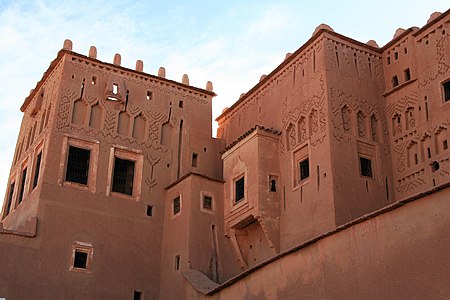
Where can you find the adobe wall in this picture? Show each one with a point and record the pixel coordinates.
(417, 63)
(355, 84)
(387, 256)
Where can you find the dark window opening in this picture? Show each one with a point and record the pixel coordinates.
(137, 295)
(366, 167)
(405, 50)
(194, 159)
(207, 202)
(416, 159)
(180, 104)
(239, 189)
(429, 152)
(10, 198)
(273, 185)
(123, 176)
(435, 166)
(176, 266)
(445, 144)
(149, 95)
(78, 165)
(304, 169)
(94, 80)
(176, 205)
(394, 81)
(396, 55)
(149, 210)
(446, 91)
(80, 260)
(22, 185)
(36, 171)
(407, 74)
(388, 60)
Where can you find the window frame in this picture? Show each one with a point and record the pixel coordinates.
(360, 160)
(131, 155)
(445, 87)
(172, 206)
(84, 248)
(10, 198)
(244, 192)
(204, 194)
(93, 146)
(35, 171)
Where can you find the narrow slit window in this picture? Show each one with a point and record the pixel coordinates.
(394, 81)
(115, 88)
(78, 165)
(149, 95)
(304, 169)
(149, 210)
(273, 185)
(176, 205)
(446, 86)
(445, 144)
(395, 55)
(123, 176)
(407, 74)
(94, 80)
(10, 199)
(177, 261)
(194, 159)
(366, 167)
(37, 169)
(428, 152)
(239, 189)
(22, 185)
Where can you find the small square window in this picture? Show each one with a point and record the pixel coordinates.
(239, 189)
(180, 104)
(304, 169)
(80, 259)
(207, 202)
(366, 167)
(176, 205)
(123, 176)
(78, 165)
(446, 86)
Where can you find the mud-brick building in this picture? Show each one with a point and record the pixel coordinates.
(328, 179)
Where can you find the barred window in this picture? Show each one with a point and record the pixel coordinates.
(78, 165)
(123, 176)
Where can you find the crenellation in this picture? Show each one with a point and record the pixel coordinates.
(93, 52)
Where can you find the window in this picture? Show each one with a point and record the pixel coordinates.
(446, 86)
(304, 169)
(94, 80)
(176, 205)
(428, 152)
(149, 210)
(123, 176)
(176, 265)
(149, 95)
(207, 202)
(180, 104)
(407, 74)
(445, 144)
(388, 60)
(37, 169)
(273, 185)
(78, 165)
(239, 189)
(396, 55)
(435, 166)
(405, 50)
(22, 185)
(80, 260)
(194, 159)
(10, 199)
(394, 81)
(137, 295)
(115, 89)
(366, 167)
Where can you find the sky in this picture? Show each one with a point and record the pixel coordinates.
(231, 43)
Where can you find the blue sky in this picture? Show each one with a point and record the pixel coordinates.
(232, 43)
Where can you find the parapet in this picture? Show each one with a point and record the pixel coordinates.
(322, 26)
(139, 64)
